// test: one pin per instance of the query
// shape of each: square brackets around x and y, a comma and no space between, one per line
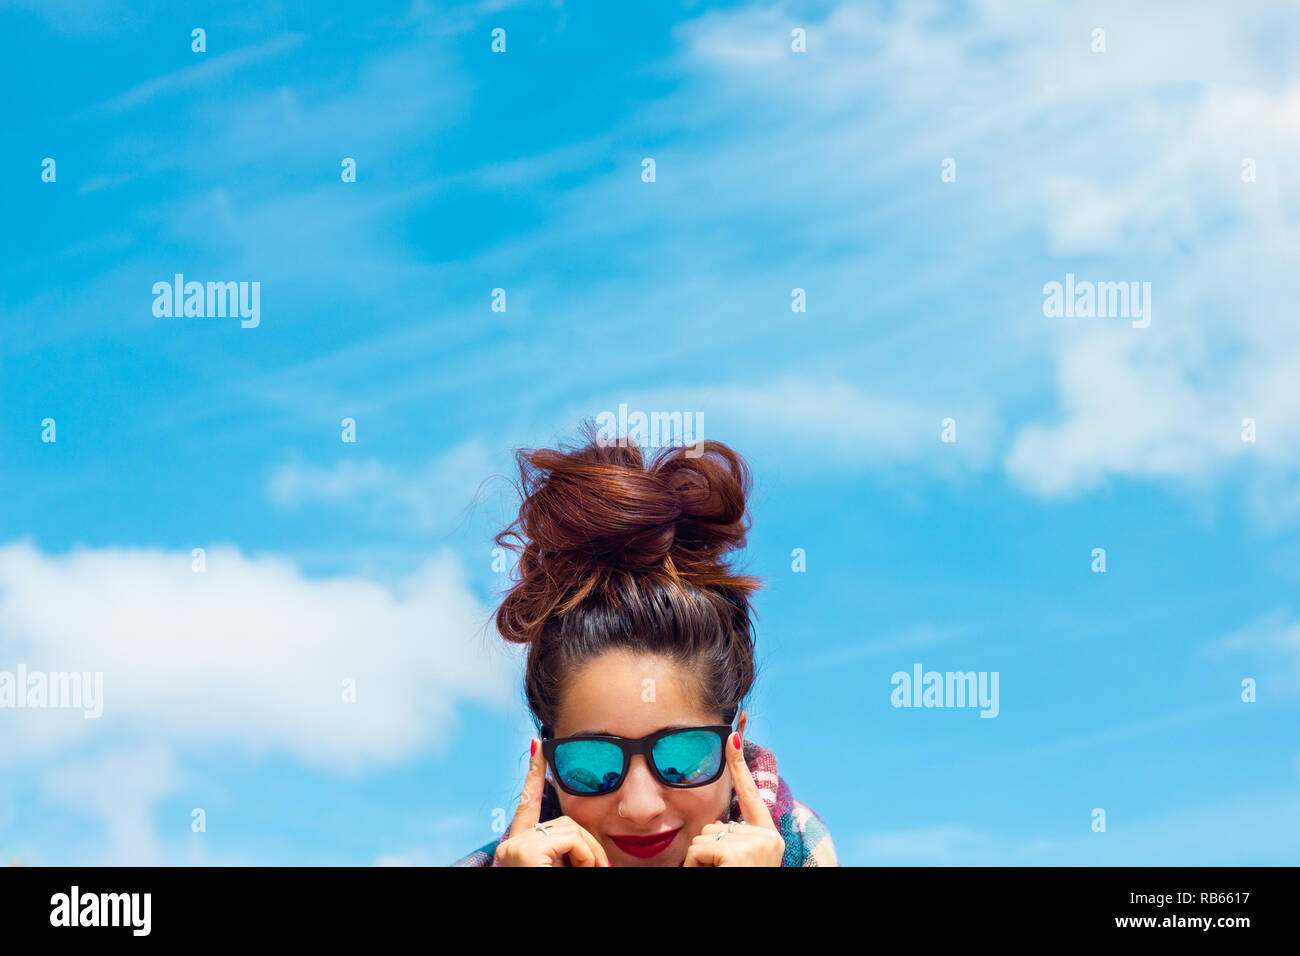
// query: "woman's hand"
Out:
[563,844]
[756,841]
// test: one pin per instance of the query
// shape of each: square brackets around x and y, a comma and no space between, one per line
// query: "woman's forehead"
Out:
[630,695]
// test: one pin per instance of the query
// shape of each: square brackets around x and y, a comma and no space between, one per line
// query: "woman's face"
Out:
[606,697]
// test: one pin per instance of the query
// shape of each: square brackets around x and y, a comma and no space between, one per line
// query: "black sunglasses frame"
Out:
[642,746]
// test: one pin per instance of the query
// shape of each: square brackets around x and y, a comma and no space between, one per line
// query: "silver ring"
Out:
[620,811]
[731,826]
[538,826]
[721,834]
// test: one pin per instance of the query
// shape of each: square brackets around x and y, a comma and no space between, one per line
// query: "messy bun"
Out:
[620,551]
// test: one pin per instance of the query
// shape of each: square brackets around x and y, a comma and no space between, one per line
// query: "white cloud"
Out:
[1272,641]
[805,423]
[209,67]
[249,655]
[1123,414]
[121,788]
[431,497]
[831,420]
[1128,162]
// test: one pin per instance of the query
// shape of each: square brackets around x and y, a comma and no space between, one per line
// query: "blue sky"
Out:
[775,170]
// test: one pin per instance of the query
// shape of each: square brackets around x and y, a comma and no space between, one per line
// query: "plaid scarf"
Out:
[807,841]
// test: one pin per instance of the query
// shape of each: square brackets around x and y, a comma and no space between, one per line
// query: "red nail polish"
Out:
[735,741]
[532,747]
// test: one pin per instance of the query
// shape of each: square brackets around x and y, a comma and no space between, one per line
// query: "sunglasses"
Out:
[593,765]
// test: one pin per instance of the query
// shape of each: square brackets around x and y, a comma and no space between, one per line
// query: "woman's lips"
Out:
[644,847]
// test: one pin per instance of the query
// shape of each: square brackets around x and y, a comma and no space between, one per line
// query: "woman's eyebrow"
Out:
[606,733]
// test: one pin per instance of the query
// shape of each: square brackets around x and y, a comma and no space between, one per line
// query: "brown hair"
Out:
[617,552]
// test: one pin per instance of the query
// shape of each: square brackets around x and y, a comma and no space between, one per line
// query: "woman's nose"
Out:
[641,796]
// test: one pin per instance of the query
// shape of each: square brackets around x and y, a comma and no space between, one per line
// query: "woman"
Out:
[640,653]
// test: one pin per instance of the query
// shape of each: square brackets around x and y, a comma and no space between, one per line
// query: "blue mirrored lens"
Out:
[688,757]
[589,766]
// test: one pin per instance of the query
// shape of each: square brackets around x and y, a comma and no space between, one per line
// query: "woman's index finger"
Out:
[753,808]
[529,811]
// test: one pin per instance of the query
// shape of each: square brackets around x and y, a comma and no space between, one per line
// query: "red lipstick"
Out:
[644,847]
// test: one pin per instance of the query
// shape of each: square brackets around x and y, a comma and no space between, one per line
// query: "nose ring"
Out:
[620,811]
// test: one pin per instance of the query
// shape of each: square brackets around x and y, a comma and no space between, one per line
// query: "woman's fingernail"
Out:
[735,741]
[607,863]
[532,747]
